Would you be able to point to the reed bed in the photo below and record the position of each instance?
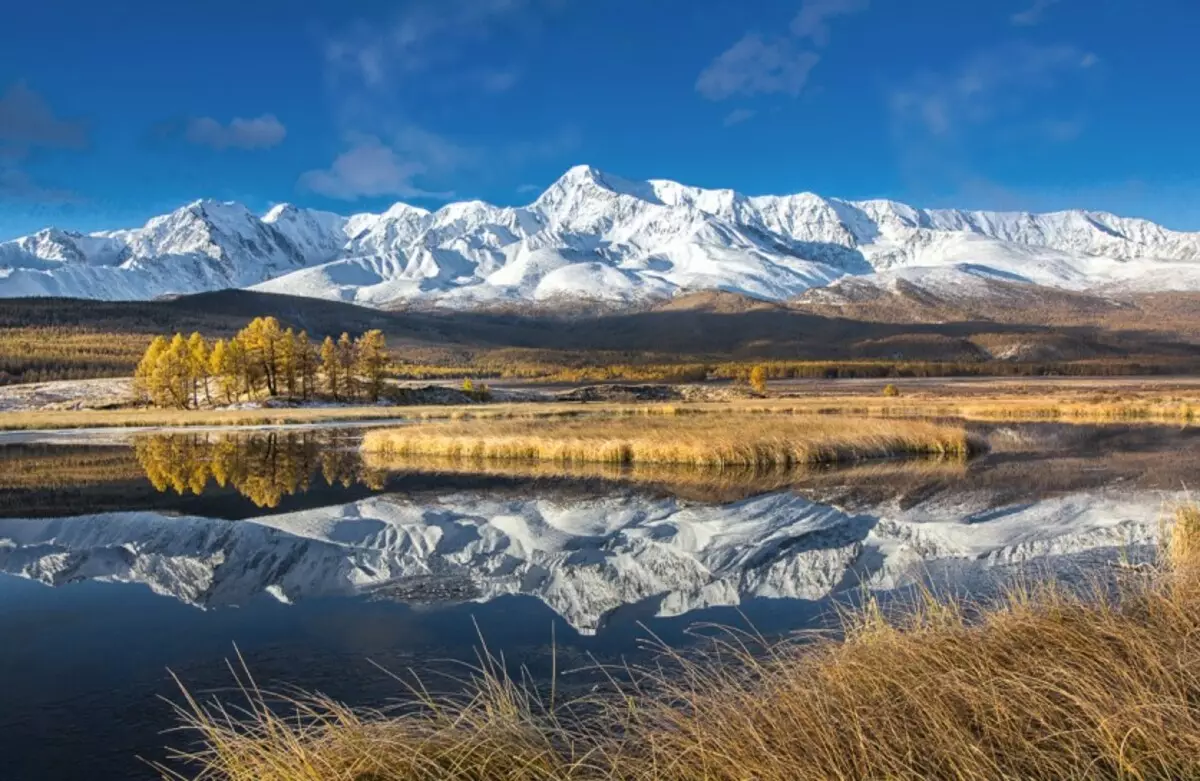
(707, 441)
(724, 485)
(1045, 683)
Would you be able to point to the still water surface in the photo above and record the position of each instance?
(121, 560)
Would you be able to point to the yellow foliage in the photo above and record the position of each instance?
(261, 359)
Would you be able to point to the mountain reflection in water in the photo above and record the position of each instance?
(319, 567)
(262, 466)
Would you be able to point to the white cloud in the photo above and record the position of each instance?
(424, 36)
(497, 81)
(1017, 98)
(812, 19)
(755, 66)
(19, 185)
(1033, 14)
(369, 169)
(258, 133)
(738, 116)
(27, 121)
(994, 82)
(387, 76)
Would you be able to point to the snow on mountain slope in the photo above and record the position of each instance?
(583, 558)
(596, 236)
(315, 234)
(205, 245)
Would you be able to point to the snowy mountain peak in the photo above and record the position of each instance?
(593, 235)
(400, 210)
(584, 180)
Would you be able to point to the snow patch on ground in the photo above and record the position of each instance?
(66, 394)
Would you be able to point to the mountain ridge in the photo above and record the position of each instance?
(594, 236)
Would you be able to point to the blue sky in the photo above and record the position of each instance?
(113, 112)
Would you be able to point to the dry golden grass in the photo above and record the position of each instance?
(719, 441)
(149, 417)
(707, 485)
(1046, 684)
(1012, 407)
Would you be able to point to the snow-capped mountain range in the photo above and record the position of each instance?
(599, 237)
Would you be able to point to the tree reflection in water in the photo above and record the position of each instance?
(262, 466)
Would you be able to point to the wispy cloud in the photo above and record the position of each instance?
(499, 80)
(738, 116)
(1033, 14)
(258, 133)
(947, 124)
(421, 38)
(19, 185)
(28, 124)
(382, 76)
(370, 168)
(757, 65)
(27, 121)
(991, 83)
(812, 21)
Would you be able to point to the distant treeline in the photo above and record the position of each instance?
(62, 352)
(261, 360)
(54, 353)
(895, 369)
(776, 370)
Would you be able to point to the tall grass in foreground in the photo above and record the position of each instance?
(693, 440)
(1046, 684)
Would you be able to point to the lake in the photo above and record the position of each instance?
(127, 557)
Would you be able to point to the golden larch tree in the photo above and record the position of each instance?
(198, 357)
(330, 367)
(346, 364)
(143, 374)
(306, 365)
(371, 349)
(288, 371)
(758, 379)
(221, 368)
